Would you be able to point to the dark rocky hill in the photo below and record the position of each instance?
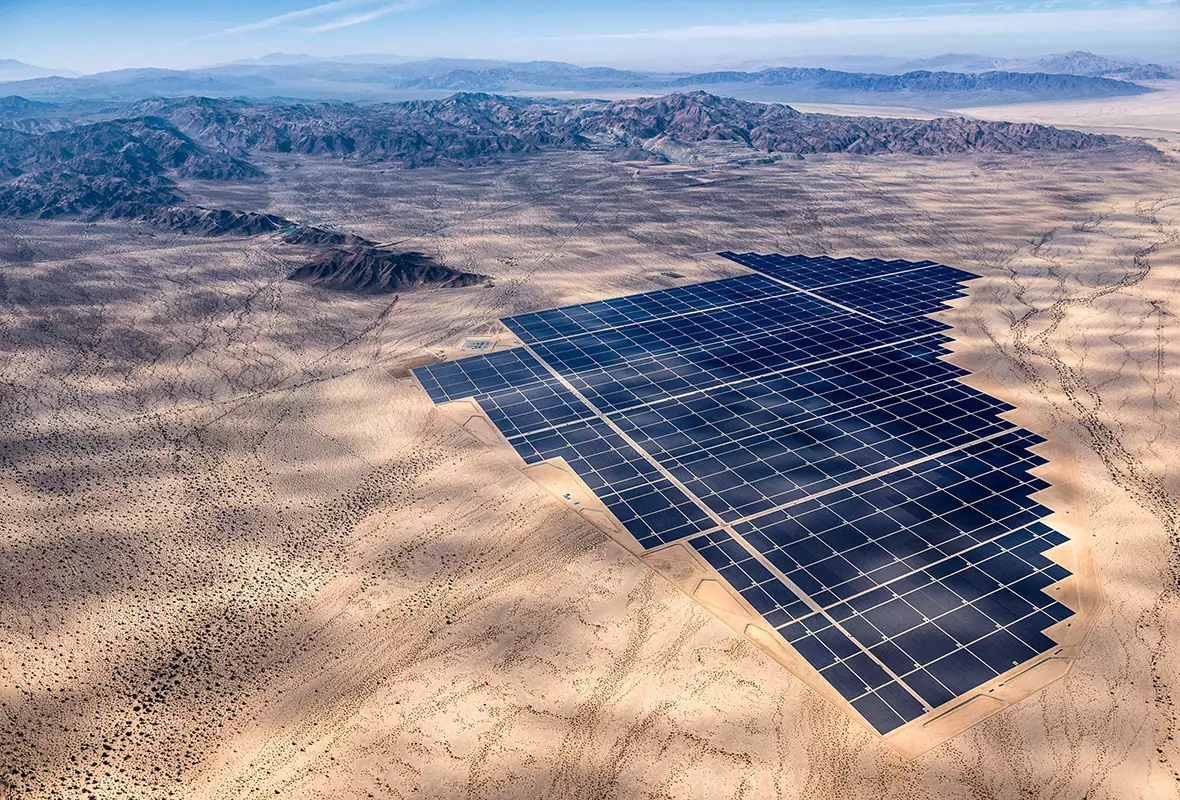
(217, 222)
(45, 194)
(15, 106)
(463, 129)
(20, 113)
(322, 237)
(372, 271)
(119, 168)
(146, 145)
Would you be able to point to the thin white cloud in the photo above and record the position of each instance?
(293, 16)
(1066, 21)
(369, 16)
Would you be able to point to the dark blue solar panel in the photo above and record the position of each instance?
(648, 504)
(934, 634)
(516, 390)
(813, 272)
(889, 707)
(533, 407)
(859, 676)
(649, 379)
(772, 598)
(572, 320)
(881, 513)
(756, 470)
(961, 622)
(908, 294)
(703, 419)
(605, 348)
(848, 541)
(478, 375)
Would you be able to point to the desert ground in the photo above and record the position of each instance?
(242, 556)
(1149, 115)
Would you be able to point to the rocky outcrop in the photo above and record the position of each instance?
(371, 271)
(322, 237)
(217, 221)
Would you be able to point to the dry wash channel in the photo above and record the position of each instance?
(792, 450)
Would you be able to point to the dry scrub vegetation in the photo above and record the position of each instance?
(241, 556)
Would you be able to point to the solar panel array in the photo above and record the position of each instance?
(799, 429)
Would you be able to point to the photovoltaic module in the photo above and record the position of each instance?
(799, 433)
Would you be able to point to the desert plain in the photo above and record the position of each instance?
(242, 556)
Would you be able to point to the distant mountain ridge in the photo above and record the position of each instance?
(1079, 62)
(309, 78)
(921, 82)
(13, 70)
(1076, 62)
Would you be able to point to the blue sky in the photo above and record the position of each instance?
(89, 36)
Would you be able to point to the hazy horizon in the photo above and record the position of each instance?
(645, 35)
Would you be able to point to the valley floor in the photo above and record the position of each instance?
(242, 556)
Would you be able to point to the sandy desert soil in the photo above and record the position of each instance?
(242, 556)
(1149, 115)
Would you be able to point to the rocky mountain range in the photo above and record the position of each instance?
(121, 168)
(127, 165)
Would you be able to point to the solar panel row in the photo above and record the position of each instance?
(952, 626)
(481, 375)
(908, 294)
(935, 633)
(651, 507)
(699, 329)
(533, 407)
(700, 419)
(878, 512)
(556, 323)
(648, 378)
(856, 675)
(814, 272)
(843, 543)
(762, 469)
